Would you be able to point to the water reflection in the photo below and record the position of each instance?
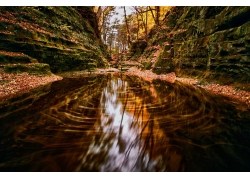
(124, 132)
(120, 123)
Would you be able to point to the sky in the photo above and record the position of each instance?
(121, 13)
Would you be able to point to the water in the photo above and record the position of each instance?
(120, 123)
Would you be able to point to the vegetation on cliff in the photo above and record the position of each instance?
(36, 42)
(203, 42)
(63, 37)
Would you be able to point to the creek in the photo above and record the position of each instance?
(119, 123)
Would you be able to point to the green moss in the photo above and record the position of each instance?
(35, 69)
(5, 59)
(63, 37)
(147, 65)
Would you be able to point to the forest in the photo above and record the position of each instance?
(124, 88)
(118, 34)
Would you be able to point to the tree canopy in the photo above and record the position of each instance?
(118, 34)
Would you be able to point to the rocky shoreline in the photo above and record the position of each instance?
(15, 84)
(223, 90)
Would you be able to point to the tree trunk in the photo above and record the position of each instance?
(152, 14)
(140, 13)
(98, 14)
(146, 28)
(126, 20)
(138, 26)
(157, 9)
(110, 49)
(104, 32)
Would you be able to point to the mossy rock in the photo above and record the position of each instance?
(34, 69)
(91, 67)
(5, 59)
(147, 65)
(62, 37)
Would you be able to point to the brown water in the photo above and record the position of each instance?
(119, 123)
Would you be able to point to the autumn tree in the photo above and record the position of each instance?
(127, 26)
(104, 14)
(112, 34)
(155, 14)
(142, 16)
(149, 16)
(118, 36)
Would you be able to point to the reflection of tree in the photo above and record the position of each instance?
(152, 154)
(193, 119)
(179, 111)
(57, 133)
(154, 126)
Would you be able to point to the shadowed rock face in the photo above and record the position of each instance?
(210, 42)
(66, 38)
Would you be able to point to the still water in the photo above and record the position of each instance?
(119, 123)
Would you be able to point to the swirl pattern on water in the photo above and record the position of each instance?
(110, 123)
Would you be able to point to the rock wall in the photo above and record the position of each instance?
(66, 38)
(206, 42)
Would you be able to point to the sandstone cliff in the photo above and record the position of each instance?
(205, 42)
(65, 38)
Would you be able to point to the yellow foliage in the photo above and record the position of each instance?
(150, 19)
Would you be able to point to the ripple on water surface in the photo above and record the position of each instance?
(108, 123)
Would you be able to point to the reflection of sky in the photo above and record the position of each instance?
(113, 107)
(125, 135)
(119, 143)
